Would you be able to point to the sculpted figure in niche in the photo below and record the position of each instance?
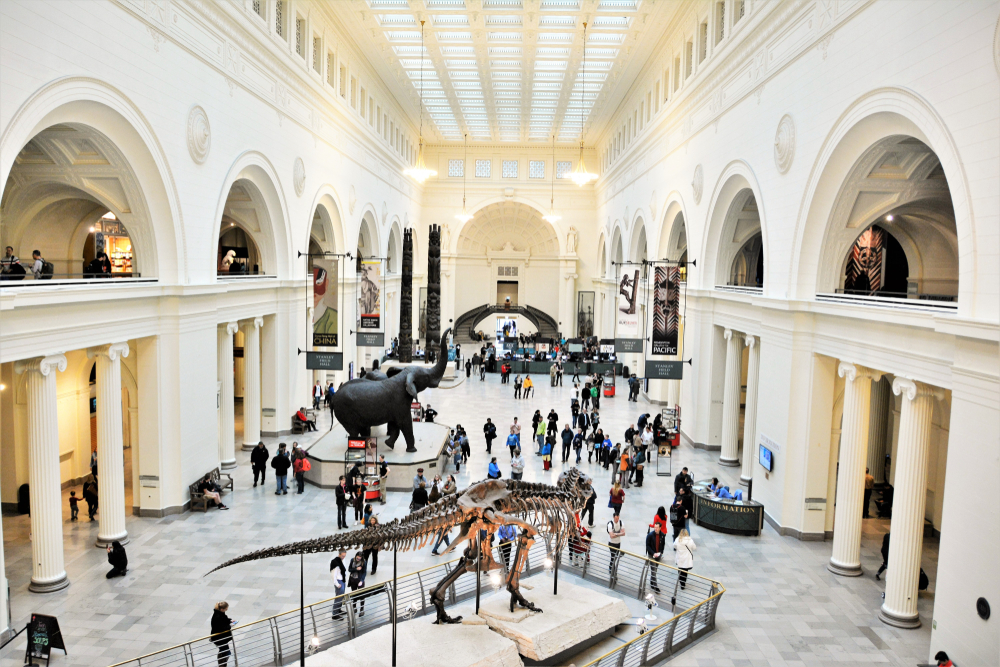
(571, 239)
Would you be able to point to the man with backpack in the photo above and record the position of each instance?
(616, 531)
(42, 269)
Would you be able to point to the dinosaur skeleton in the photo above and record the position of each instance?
(484, 506)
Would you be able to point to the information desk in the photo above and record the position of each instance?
(734, 517)
(569, 367)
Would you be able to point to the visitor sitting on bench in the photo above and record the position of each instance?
(212, 491)
(303, 417)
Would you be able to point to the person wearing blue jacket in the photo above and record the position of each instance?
(512, 442)
(494, 470)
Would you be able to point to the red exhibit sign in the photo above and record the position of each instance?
(355, 444)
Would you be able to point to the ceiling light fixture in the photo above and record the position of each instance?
(580, 175)
(889, 218)
(464, 216)
(552, 218)
(419, 171)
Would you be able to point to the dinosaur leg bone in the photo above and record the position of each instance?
(437, 594)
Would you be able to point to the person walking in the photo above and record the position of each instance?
(684, 548)
(529, 386)
(583, 422)
(118, 560)
(281, 464)
(517, 465)
(512, 442)
(517, 386)
(490, 434)
(640, 462)
(442, 538)
(435, 493)
(552, 375)
(617, 498)
(885, 557)
(588, 507)
(678, 516)
(578, 445)
(567, 442)
(574, 408)
(468, 368)
(317, 394)
(383, 479)
(343, 494)
(90, 494)
(553, 421)
(371, 555)
(516, 430)
(258, 462)
(661, 518)
(540, 436)
(547, 452)
(616, 531)
(585, 397)
(358, 492)
(869, 487)
(654, 551)
(623, 466)
(338, 572)
(222, 631)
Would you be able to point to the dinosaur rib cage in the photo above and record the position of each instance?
(548, 508)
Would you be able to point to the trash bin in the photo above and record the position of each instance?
(23, 500)
(609, 383)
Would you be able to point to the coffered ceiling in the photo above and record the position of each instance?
(510, 70)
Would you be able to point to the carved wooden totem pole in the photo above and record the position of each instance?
(405, 349)
(434, 291)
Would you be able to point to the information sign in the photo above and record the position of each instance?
(325, 361)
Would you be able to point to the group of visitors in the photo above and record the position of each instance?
(523, 388)
(297, 461)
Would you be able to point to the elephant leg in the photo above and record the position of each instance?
(390, 441)
(406, 427)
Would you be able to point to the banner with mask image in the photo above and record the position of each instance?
(628, 305)
(666, 300)
(325, 321)
(370, 297)
(865, 266)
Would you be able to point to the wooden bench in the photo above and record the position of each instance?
(299, 426)
(199, 502)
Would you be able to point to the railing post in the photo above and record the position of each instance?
(236, 658)
(388, 591)
(312, 617)
(188, 655)
(275, 642)
(668, 642)
(645, 649)
(423, 596)
(351, 622)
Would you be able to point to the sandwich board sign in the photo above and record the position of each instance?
(43, 636)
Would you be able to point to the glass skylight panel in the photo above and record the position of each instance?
(409, 50)
(416, 62)
(562, 21)
(454, 36)
(389, 4)
(555, 51)
(611, 22)
(394, 20)
(505, 85)
(605, 38)
(450, 20)
(560, 4)
(610, 5)
(597, 52)
(460, 63)
(557, 76)
(504, 36)
(464, 74)
(541, 95)
(550, 64)
(503, 21)
(507, 93)
(403, 35)
(536, 168)
(599, 64)
(505, 50)
(592, 76)
(501, 4)
(505, 63)
(506, 75)
(458, 51)
(445, 4)
(555, 37)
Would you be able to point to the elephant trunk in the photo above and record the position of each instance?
(432, 377)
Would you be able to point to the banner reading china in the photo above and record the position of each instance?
(666, 319)
(370, 299)
(325, 325)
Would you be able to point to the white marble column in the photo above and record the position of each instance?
(110, 452)
(846, 558)
(750, 412)
(877, 429)
(731, 400)
(48, 570)
(906, 542)
(227, 423)
(251, 396)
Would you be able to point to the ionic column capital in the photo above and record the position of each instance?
(43, 365)
(852, 372)
(750, 341)
(729, 334)
(232, 327)
(910, 389)
(112, 351)
(258, 322)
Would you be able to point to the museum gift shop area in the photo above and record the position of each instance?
(358, 229)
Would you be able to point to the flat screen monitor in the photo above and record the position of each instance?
(766, 458)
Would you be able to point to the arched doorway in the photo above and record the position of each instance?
(238, 253)
(741, 246)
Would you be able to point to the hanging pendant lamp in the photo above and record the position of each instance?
(464, 216)
(580, 175)
(551, 217)
(419, 171)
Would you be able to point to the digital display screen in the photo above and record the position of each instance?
(766, 458)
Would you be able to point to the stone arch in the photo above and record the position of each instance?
(510, 224)
(602, 255)
(617, 249)
(252, 198)
(736, 214)
(673, 232)
(394, 247)
(638, 242)
(327, 225)
(876, 116)
(368, 243)
(125, 137)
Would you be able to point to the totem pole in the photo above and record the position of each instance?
(433, 291)
(405, 349)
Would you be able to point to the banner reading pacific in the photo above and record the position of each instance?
(666, 319)
(370, 299)
(325, 325)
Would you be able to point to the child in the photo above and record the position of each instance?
(74, 508)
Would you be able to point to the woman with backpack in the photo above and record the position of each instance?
(684, 548)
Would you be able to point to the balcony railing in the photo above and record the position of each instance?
(898, 300)
(275, 640)
(28, 281)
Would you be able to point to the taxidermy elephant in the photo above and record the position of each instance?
(385, 399)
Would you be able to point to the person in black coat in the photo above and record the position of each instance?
(490, 433)
(118, 560)
(682, 480)
(343, 493)
(589, 507)
(258, 461)
(885, 557)
(222, 631)
(419, 499)
(655, 542)
(281, 463)
(679, 515)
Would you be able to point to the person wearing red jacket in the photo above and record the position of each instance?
(300, 466)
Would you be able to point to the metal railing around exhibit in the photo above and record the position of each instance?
(691, 599)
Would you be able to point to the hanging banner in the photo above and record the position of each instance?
(628, 311)
(666, 301)
(370, 299)
(865, 265)
(325, 321)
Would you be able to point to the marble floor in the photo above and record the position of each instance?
(782, 606)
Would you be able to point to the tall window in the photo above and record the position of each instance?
(563, 169)
(456, 168)
(300, 27)
(258, 8)
(741, 10)
(317, 51)
(361, 107)
(371, 111)
(656, 96)
(343, 81)
(677, 73)
(536, 169)
(331, 70)
(720, 21)
(688, 59)
(279, 18)
(483, 168)
(508, 169)
(354, 93)
(703, 42)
